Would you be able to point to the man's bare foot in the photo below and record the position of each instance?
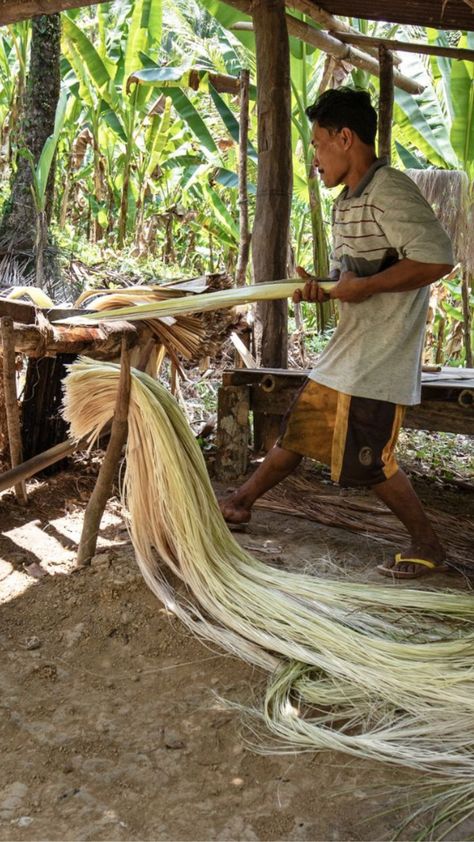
(413, 567)
(233, 511)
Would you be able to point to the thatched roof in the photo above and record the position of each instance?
(441, 14)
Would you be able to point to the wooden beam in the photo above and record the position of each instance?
(334, 47)
(12, 11)
(103, 340)
(458, 53)
(385, 103)
(329, 21)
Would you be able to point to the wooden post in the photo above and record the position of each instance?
(232, 432)
(11, 403)
(103, 487)
(467, 317)
(244, 238)
(385, 103)
(274, 182)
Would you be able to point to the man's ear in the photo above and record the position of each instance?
(347, 138)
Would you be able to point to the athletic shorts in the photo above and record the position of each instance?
(355, 436)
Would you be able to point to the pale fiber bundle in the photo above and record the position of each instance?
(387, 672)
(205, 302)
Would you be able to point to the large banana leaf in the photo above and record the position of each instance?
(145, 26)
(227, 178)
(113, 121)
(43, 168)
(193, 120)
(462, 96)
(222, 214)
(230, 121)
(418, 122)
(88, 53)
(158, 136)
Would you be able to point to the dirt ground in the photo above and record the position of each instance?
(113, 725)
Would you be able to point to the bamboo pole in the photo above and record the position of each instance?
(244, 234)
(333, 46)
(366, 41)
(100, 495)
(12, 410)
(37, 463)
(385, 103)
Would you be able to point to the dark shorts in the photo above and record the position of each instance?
(355, 436)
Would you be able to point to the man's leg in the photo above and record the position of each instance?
(278, 463)
(399, 495)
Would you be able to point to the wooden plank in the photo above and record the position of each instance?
(443, 416)
(19, 311)
(15, 10)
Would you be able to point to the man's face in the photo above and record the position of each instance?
(330, 154)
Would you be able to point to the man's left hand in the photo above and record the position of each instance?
(351, 288)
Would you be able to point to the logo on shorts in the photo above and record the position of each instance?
(366, 456)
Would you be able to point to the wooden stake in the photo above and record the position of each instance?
(244, 238)
(385, 103)
(12, 410)
(103, 487)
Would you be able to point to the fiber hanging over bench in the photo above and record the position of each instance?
(378, 672)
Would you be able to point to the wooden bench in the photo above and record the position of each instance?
(447, 404)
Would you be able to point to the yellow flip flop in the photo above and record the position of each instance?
(426, 567)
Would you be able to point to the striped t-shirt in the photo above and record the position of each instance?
(377, 347)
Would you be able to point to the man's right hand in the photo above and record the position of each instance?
(311, 290)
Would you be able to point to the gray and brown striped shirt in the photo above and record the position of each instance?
(377, 347)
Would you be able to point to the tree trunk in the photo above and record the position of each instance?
(274, 183)
(18, 227)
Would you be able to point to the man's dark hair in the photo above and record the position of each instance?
(345, 108)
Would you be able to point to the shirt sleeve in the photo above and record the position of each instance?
(409, 222)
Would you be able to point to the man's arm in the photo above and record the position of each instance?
(403, 276)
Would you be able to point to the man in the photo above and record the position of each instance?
(388, 247)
